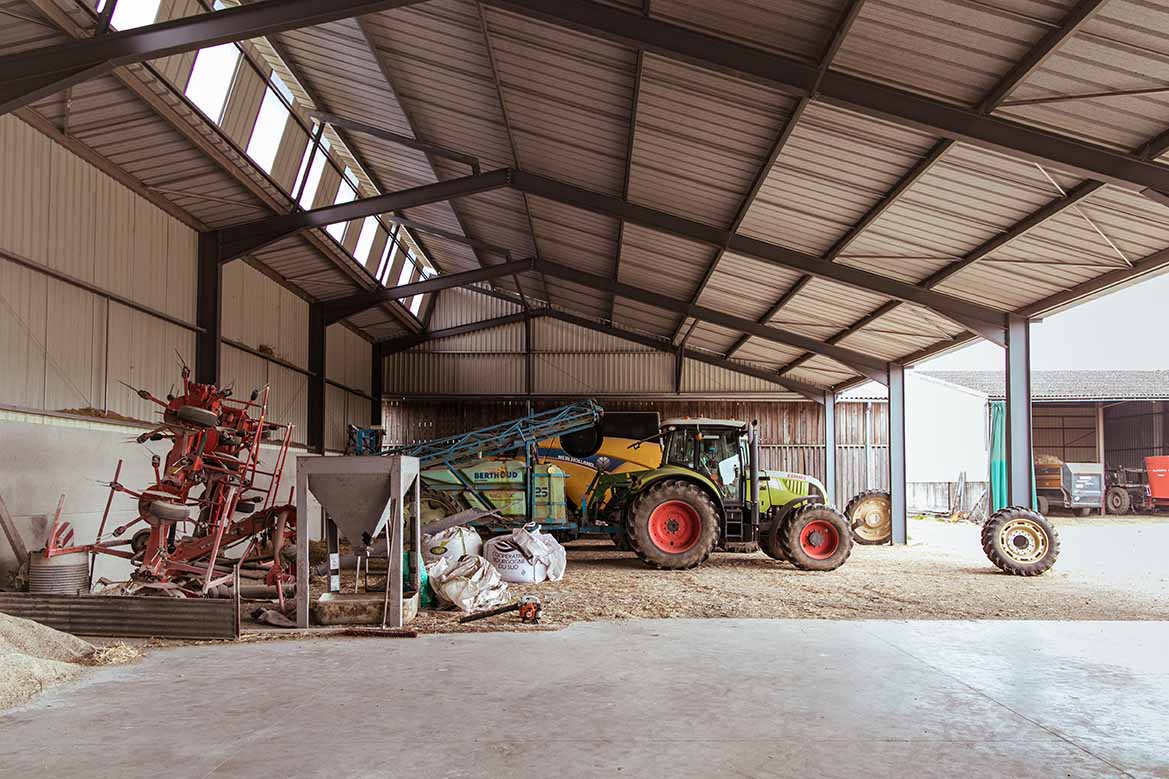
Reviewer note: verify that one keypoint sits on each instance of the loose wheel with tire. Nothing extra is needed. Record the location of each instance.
(870, 515)
(1118, 501)
(814, 538)
(1020, 541)
(673, 525)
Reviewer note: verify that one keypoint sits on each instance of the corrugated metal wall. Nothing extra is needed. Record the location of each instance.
(1134, 431)
(64, 347)
(342, 408)
(261, 314)
(791, 433)
(348, 358)
(1066, 431)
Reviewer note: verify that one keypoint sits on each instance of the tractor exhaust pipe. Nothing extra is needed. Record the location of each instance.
(753, 442)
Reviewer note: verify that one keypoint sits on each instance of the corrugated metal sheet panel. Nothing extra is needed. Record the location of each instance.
(242, 370)
(699, 377)
(336, 417)
(835, 166)
(1122, 47)
(647, 319)
(260, 313)
(347, 357)
(554, 336)
(700, 140)
(142, 354)
(946, 48)
(75, 348)
(577, 298)
(767, 353)
(902, 331)
(567, 97)
(496, 340)
(746, 287)
(574, 237)
(1134, 431)
(823, 308)
(662, 263)
(800, 28)
(460, 307)
(822, 372)
(288, 399)
(420, 373)
(142, 617)
(603, 374)
(711, 338)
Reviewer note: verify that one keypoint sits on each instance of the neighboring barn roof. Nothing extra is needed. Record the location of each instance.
(1068, 385)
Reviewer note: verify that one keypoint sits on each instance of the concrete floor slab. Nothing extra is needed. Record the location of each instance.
(641, 698)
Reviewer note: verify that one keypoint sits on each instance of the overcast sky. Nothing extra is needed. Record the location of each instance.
(1128, 329)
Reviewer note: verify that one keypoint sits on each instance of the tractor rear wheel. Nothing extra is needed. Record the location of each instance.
(1118, 500)
(870, 514)
(814, 538)
(1020, 541)
(674, 525)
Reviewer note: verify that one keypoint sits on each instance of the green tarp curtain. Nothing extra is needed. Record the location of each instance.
(998, 458)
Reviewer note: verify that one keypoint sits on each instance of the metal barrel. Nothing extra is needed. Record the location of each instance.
(61, 575)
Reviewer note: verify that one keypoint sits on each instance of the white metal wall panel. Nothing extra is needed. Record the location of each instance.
(347, 357)
(420, 373)
(460, 307)
(335, 416)
(142, 354)
(698, 377)
(554, 336)
(497, 340)
(242, 371)
(24, 196)
(603, 374)
(260, 313)
(75, 348)
(22, 334)
(288, 389)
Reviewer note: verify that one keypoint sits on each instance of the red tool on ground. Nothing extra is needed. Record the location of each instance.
(210, 495)
(528, 606)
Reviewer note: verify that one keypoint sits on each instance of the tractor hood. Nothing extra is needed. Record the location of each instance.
(783, 486)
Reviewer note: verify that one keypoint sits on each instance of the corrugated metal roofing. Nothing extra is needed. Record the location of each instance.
(518, 92)
(1068, 385)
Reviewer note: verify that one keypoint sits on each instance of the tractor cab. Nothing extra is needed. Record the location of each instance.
(718, 449)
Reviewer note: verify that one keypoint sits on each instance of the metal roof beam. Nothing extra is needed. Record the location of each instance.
(850, 92)
(807, 390)
(402, 343)
(241, 239)
(30, 75)
(987, 321)
(864, 364)
(398, 138)
(343, 308)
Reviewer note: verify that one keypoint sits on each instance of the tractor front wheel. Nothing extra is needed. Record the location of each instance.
(814, 538)
(674, 525)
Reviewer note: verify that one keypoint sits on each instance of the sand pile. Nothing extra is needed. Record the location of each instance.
(34, 657)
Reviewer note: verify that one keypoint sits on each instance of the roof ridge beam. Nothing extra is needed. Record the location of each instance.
(343, 308)
(850, 92)
(864, 364)
(30, 75)
(987, 321)
(242, 239)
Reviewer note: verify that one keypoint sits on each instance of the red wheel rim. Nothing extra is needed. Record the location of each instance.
(674, 526)
(819, 539)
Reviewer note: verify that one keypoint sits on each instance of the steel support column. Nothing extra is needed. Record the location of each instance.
(1020, 476)
(897, 486)
(315, 435)
(830, 447)
(377, 375)
(208, 307)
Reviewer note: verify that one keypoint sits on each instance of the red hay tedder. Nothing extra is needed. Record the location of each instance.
(209, 496)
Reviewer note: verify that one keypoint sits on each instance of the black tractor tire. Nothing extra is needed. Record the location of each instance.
(1084, 511)
(621, 541)
(825, 548)
(197, 417)
(653, 529)
(1044, 505)
(1020, 542)
(1118, 500)
(857, 513)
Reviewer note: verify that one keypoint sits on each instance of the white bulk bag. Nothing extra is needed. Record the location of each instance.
(471, 584)
(453, 543)
(527, 556)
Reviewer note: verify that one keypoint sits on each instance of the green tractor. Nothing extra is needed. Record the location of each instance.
(709, 493)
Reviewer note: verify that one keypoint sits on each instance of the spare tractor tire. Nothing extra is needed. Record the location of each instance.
(674, 525)
(583, 443)
(1020, 541)
(197, 417)
(814, 538)
(1118, 501)
(870, 516)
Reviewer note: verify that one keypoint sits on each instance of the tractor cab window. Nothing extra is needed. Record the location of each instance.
(680, 448)
(719, 459)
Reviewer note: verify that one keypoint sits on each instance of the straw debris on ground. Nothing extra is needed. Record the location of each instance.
(34, 657)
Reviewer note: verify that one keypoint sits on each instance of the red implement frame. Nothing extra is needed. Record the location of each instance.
(215, 446)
